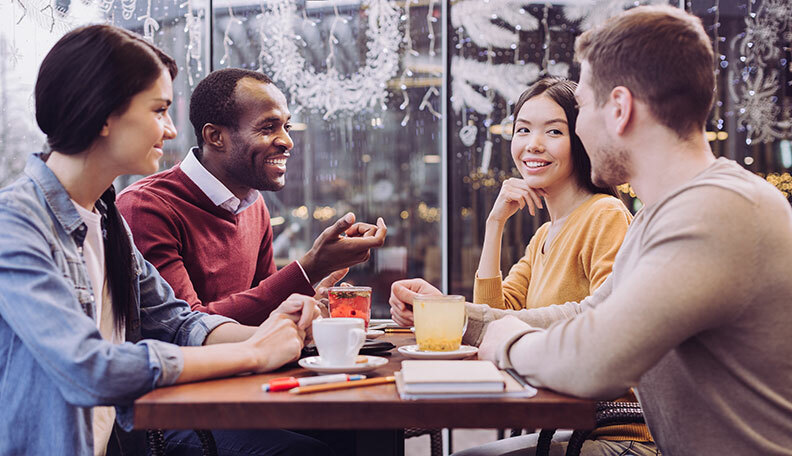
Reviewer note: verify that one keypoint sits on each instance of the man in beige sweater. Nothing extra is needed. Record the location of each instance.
(697, 314)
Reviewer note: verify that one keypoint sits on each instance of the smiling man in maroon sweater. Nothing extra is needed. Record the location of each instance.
(203, 223)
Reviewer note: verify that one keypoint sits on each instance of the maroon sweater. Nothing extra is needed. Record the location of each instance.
(220, 263)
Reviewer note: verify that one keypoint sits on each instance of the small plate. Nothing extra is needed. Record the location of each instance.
(411, 351)
(373, 333)
(314, 363)
(379, 323)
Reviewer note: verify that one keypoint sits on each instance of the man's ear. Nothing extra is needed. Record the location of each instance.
(213, 135)
(621, 103)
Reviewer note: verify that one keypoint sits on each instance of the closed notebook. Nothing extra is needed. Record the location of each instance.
(445, 376)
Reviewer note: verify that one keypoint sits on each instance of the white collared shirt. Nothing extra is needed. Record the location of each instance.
(220, 195)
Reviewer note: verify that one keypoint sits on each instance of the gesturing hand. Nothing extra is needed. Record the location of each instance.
(344, 244)
(515, 194)
(401, 299)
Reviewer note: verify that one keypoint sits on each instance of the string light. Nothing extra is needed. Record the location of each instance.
(409, 51)
(227, 41)
(193, 28)
(149, 24)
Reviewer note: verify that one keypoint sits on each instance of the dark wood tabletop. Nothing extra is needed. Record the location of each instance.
(240, 403)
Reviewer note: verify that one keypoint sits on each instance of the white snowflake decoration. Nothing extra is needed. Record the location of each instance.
(594, 12)
(476, 18)
(45, 15)
(757, 109)
(331, 91)
(508, 80)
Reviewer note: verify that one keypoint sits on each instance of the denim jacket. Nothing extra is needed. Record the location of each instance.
(54, 364)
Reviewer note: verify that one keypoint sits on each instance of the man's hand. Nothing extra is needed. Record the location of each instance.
(329, 281)
(276, 342)
(344, 244)
(497, 333)
(401, 299)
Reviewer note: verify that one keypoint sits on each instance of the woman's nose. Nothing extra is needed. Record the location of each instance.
(170, 129)
(535, 144)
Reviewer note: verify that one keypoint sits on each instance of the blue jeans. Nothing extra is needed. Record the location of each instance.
(248, 443)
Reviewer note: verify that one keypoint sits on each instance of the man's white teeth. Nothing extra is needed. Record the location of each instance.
(536, 164)
(281, 161)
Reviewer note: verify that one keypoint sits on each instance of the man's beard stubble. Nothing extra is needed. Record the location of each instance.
(611, 167)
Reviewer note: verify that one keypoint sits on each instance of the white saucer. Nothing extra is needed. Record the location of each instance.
(373, 333)
(314, 363)
(379, 323)
(411, 351)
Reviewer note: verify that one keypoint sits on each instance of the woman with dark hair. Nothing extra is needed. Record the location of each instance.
(567, 258)
(570, 256)
(85, 322)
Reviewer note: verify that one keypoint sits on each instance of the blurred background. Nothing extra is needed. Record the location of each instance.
(403, 109)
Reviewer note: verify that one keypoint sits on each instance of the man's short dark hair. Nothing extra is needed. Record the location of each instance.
(213, 99)
(663, 55)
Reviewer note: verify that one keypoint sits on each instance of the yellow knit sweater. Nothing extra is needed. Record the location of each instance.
(575, 264)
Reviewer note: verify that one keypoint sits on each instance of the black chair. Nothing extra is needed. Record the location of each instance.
(156, 442)
(608, 414)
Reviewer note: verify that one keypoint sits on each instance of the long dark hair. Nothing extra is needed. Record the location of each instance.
(562, 91)
(91, 73)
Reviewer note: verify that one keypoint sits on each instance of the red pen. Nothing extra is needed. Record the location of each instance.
(287, 383)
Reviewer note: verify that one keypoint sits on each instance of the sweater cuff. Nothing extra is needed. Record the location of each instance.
(488, 291)
(303, 271)
(295, 275)
(503, 357)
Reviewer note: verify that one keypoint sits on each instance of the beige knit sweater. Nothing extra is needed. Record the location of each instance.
(697, 314)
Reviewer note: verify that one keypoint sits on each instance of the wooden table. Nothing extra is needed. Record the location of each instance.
(239, 403)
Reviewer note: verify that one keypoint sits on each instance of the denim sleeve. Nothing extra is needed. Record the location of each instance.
(166, 318)
(39, 305)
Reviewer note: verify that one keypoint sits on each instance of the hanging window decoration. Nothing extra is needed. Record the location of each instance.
(193, 26)
(476, 18)
(331, 92)
(759, 109)
(591, 13)
(45, 14)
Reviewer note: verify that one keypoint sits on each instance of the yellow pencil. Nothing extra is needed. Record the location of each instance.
(398, 330)
(342, 385)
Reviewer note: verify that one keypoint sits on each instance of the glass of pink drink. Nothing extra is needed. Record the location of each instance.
(352, 302)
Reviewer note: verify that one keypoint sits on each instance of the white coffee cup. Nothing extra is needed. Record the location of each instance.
(338, 340)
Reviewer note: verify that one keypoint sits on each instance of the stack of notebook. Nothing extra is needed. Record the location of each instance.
(456, 379)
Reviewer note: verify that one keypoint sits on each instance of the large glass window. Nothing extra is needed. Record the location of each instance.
(380, 96)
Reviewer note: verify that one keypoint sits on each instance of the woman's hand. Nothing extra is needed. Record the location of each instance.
(401, 299)
(300, 309)
(276, 342)
(515, 194)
